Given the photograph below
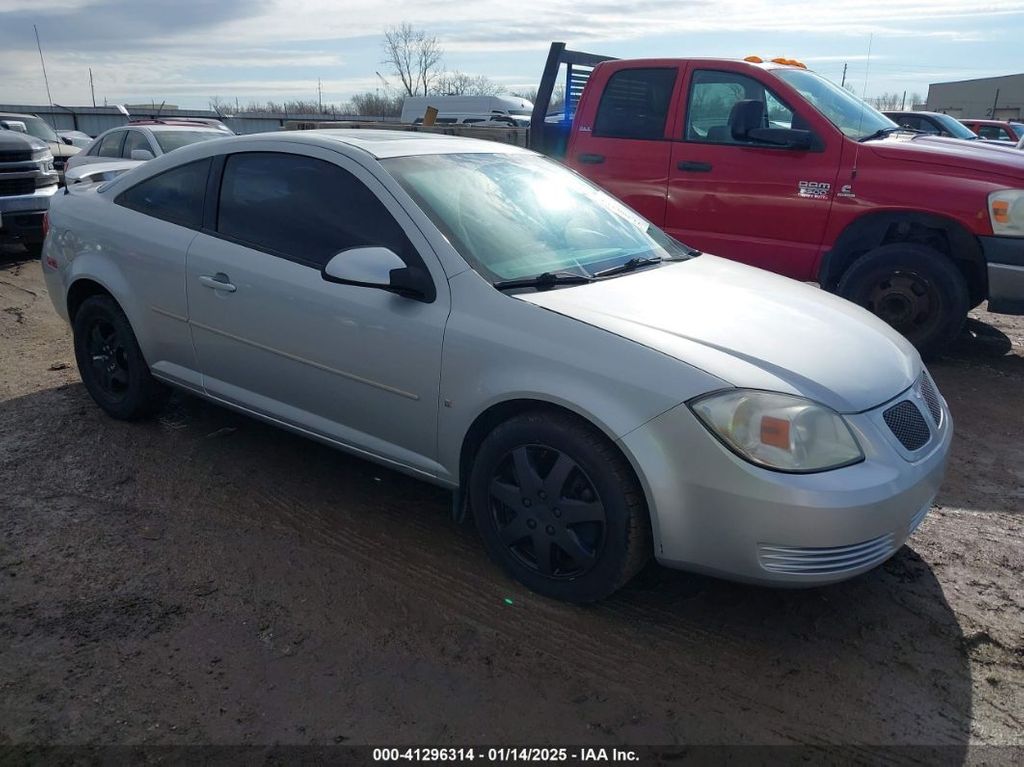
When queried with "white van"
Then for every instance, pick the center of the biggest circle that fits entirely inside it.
(468, 109)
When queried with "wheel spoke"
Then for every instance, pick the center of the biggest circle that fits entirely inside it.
(510, 495)
(581, 556)
(555, 480)
(543, 550)
(120, 377)
(95, 340)
(526, 475)
(575, 512)
(515, 531)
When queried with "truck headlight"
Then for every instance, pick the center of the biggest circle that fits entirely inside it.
(1006, 211)
(779, 431)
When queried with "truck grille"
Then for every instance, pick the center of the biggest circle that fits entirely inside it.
(16, 155)
(931, 398)
(800, 560)
(906, 422)
(12, 186)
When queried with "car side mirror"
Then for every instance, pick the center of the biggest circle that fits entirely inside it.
(142, 154)
(380, 268)
(790, 138)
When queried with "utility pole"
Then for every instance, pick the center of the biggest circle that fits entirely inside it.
(92, 88)
(843, 83)
(320, 94)
(903, 104)
(995, 104)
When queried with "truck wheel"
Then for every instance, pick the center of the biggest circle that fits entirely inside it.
(559, 507)
(914, 288)
(111, 364)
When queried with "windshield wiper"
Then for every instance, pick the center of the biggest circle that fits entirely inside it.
(629, 266)
(545, 280)
(883, 132)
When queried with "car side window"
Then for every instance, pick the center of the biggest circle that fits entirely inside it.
(993, 132)
(176, 195)
(303, 209)
(713, 98)
(134, 140)
(635, 104)
(110, 146)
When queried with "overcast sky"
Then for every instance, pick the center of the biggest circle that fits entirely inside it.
(186, 51)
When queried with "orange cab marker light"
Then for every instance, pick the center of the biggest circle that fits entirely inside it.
(1001, 211)
(754, 59)
(775, 432)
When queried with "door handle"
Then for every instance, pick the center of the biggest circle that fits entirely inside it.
(693, 166)
(218, 281)
(591, 159)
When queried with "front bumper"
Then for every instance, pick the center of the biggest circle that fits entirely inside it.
(21, 216)
(713, 512)
(1005, 259)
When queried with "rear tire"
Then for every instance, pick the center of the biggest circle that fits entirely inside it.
(914, 288)
(559, 507)
(111, 364)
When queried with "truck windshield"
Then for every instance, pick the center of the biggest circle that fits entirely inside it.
(36, 126)
(513, 216)
(855, 118)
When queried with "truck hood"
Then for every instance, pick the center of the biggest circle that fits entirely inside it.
(751, 328)
(977, 156)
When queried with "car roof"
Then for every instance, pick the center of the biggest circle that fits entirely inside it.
(382, 144)
(979, 121)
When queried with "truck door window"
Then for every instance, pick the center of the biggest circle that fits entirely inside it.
(634, 104)
(712, 98)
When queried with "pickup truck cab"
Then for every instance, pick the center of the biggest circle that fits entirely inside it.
(770, 164)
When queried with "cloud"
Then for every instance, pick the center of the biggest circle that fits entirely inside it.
(197, 48)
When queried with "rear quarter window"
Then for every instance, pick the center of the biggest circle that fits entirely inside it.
(635, 103)
(176, 195)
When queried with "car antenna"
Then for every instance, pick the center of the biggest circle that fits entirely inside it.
(863, 104)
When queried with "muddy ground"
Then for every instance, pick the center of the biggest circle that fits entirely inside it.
(204, 578)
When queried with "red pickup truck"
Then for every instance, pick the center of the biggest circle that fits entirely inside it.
(768, 163)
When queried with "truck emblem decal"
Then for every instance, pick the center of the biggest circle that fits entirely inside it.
(815, 190)
(846, 190)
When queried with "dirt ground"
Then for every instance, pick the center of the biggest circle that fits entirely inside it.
(205, 578)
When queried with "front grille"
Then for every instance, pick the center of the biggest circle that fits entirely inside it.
(11, 186)
(799, 560)
(931, 398)
(907, 423)
(15, 155)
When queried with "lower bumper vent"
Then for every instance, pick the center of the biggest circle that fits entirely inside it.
(795, 560)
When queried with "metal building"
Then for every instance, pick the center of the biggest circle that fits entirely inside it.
(999, 98)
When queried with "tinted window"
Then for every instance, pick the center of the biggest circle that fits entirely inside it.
(171, 140)
(712, 98)
(110, 146)
(635, 104)
(993, 132)
(303, 209)
(176, 195)
(135, 140)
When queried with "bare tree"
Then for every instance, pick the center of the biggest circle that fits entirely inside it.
(460, 84)
(414, 56)
(218, 105)
(374, 105)
(557, 97)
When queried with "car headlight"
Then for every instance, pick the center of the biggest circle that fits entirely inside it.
(1006, 211)
(779, 431)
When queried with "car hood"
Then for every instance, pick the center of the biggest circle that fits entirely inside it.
(751, 328)
(60, 149)
(981, 157)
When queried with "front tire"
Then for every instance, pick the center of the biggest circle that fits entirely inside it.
(914, 288)
(559, 507)
(111, 364)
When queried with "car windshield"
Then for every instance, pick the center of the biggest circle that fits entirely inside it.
(1018, 128)
(516, 216)
(171, 140)
(38, 127)
(955, 128)
(855, 118)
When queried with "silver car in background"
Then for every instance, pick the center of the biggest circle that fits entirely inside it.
(475, 315)
(143, 140)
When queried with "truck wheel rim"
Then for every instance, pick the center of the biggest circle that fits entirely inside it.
(547, 511)
(908, 302)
